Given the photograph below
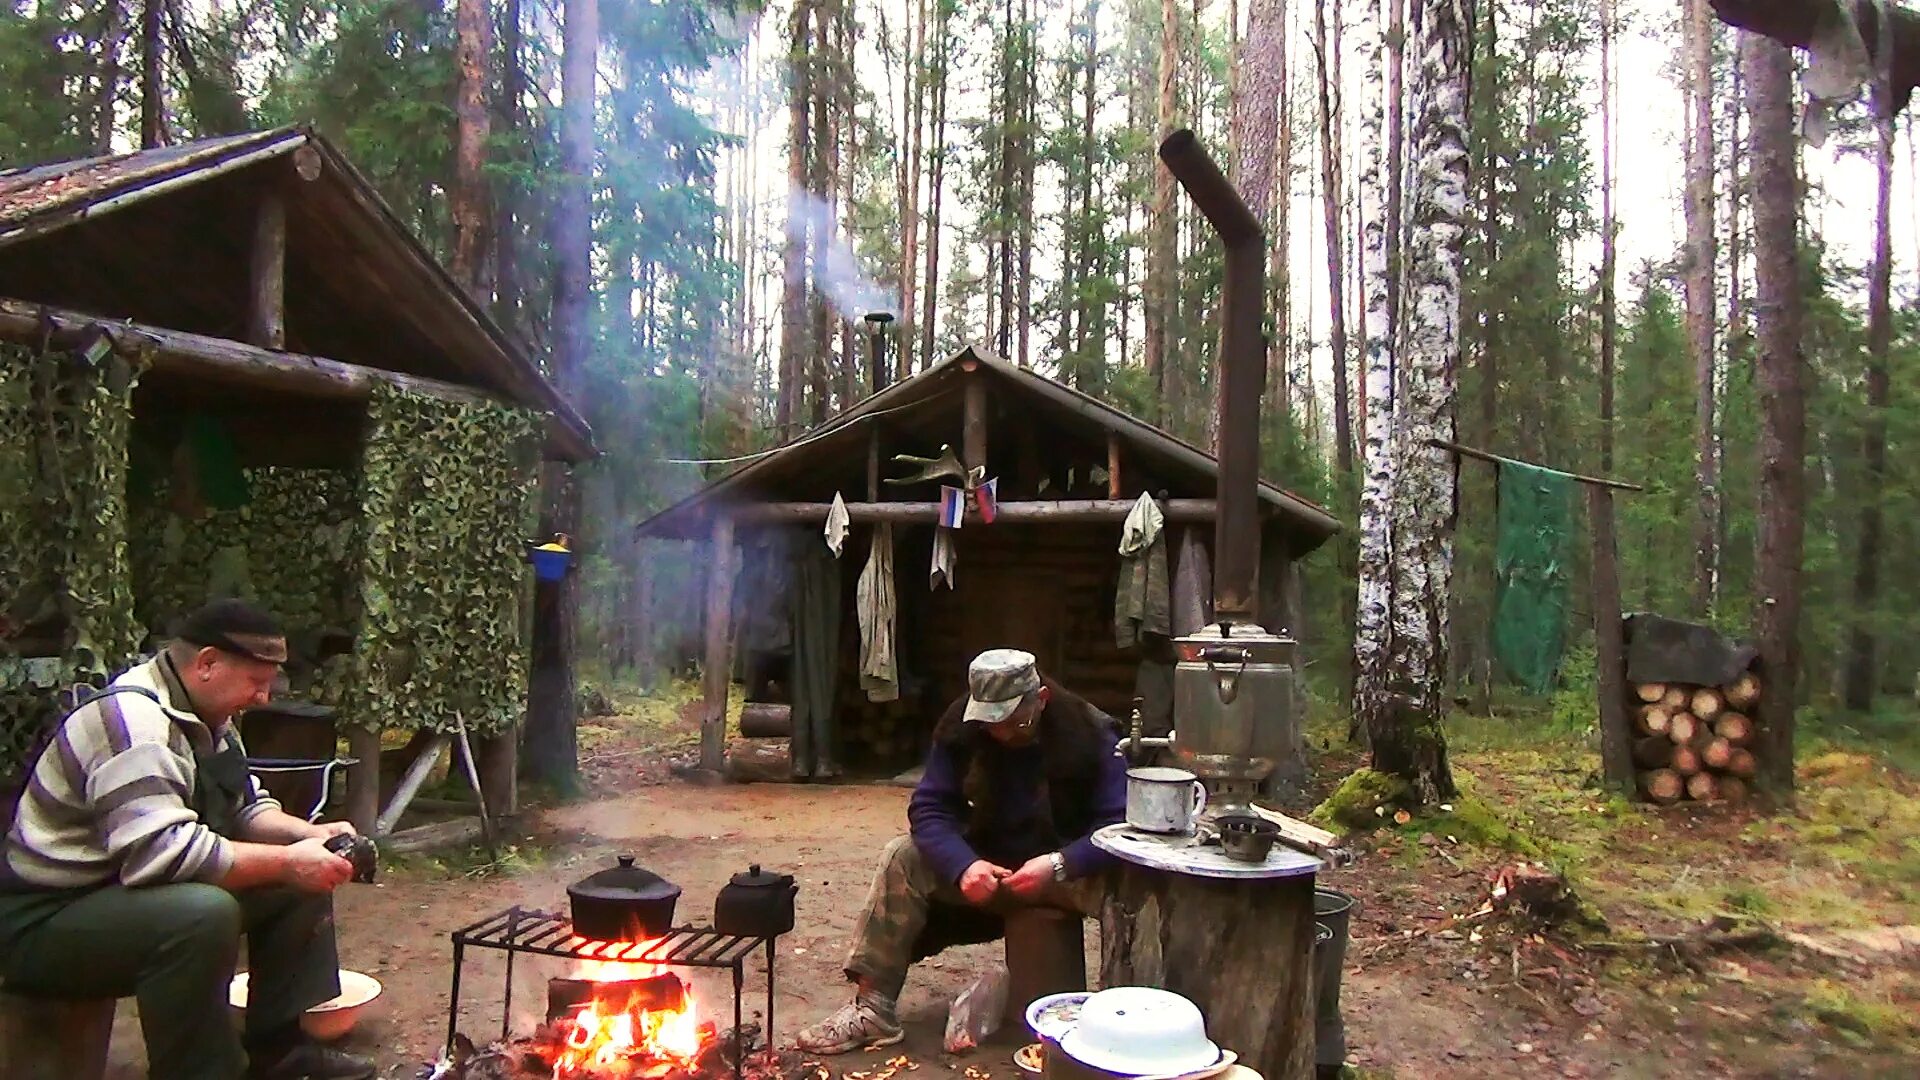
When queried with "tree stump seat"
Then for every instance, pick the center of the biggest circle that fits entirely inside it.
(53, 1039)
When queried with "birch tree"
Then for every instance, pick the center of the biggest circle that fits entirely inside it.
(1407, 509)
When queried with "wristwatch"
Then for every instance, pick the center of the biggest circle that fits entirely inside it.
(1059, 866)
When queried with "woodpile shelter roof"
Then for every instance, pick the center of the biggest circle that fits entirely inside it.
(165, 237)
(926, 410)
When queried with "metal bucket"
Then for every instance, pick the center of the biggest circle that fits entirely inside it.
(1332, 911)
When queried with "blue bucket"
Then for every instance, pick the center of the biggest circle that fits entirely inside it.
(550, 565)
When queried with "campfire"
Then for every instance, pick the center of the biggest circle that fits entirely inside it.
(624, 1021)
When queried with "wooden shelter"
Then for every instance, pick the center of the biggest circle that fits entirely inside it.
(259, 285)
(1042, 576)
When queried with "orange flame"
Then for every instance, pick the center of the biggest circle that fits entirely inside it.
(620, 1035)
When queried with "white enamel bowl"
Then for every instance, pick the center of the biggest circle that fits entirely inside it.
(328, 1020)
(1140, 1031)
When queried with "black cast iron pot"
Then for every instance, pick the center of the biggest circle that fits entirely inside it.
(623, 903)
(756, 904)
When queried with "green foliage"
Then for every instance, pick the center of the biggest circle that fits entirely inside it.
(1364, 800)
(63, 522)
(445, 501)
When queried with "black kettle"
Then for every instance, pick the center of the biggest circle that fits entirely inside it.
(756, 904)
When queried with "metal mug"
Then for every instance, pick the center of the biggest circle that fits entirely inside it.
(1161, 799)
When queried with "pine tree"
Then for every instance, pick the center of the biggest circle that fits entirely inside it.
(1861, 670)
(1701, 295)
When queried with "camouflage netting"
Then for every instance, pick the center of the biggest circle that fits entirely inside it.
(64, 427)
(445, 504)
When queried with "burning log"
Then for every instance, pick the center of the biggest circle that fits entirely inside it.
(1663, 786)
(566, 996)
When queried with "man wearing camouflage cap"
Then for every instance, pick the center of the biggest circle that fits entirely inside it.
(1020, 775)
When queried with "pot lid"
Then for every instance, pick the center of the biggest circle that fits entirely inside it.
(626, 882)
(756, 878)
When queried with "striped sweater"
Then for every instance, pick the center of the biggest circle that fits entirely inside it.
(110, 801)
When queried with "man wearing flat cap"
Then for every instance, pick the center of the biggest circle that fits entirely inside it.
(1020, 775)
(142, 851)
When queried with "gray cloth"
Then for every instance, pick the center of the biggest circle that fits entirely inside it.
(877, 607)
(816, 660)
(1192, 583)
(1142, 603)
(1662, 650)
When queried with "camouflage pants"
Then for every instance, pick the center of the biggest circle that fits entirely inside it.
(903, 893)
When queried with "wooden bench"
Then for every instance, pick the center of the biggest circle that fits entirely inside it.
(44, 1039)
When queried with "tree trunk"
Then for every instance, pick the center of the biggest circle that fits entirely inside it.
(1162, 230)
(468, 204)
(914, 82)
(1701, 295)
(1331, 189)
(825, 191)
(938, 181)
(1609, 316)
(153, 85)
(513, 86)
(1862, 670)
(793, 256)
(113, 36)
(1029, 94)
(1779, 317)
(1407, 518)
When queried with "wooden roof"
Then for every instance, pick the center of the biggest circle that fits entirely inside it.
(163, 237)
(930, 401)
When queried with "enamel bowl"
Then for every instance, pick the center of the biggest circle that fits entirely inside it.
(1140, 1031)
(328, 1020)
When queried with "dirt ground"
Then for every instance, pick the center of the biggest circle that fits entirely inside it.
(1426, 994)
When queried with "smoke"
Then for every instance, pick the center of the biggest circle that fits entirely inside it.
(837, 272)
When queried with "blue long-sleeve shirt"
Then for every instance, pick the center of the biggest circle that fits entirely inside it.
(939, 816)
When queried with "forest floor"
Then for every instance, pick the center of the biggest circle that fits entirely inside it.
(1815, 969)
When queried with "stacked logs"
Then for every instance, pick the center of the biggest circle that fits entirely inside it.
(882, 734)
(1694, 741)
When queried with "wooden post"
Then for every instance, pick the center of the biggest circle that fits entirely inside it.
(873, 463)
(1240, 950)
(363, 779)
(499, 763)
(1113, 465)
(267, 275)
(973, 431)
(410, 784)
(1610, 653)
(719, 661)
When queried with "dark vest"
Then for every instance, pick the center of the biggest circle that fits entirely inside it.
(1072, 744)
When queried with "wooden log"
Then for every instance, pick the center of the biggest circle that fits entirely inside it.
(1113, 465)
(717, 671)
(500, 771)
(1701, 787)
(1650, 692)
(1241, 951)
(1653, 752)
(1717, 753)
(411, 783)
(1675, 698)
(1663, 786)
(1707, 703)
(441, 834)
(760, 761)
(267, 274)
(1734, 727)
(1299, 835)
(1744, 692)
(1741, 763)
(765, 720)
(1654, 719)
(1733, 790)
(1683, 727)
(1685, 760)
(1026, 511)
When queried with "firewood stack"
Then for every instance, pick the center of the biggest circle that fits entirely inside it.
(1695, 742)
(882, 733)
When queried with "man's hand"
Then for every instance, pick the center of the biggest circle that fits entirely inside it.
(327, 830)
(312, 868)
(980, 881)
(1032, 878)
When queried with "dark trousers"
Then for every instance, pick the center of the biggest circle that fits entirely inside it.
(174, 947)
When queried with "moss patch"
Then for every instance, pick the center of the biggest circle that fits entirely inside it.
(1363, 800)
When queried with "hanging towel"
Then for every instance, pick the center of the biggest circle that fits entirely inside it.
(874, 599)
(1141, 601)
(942, 569)
(837, 521)
(1532, 560)
(1192, 584)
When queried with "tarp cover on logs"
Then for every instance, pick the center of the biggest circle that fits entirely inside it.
(1662, 650)
(1531, 560)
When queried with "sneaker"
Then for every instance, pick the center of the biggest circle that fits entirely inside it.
(312, 1061)
(861, 1025)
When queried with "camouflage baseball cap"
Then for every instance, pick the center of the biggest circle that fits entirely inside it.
(996, 682)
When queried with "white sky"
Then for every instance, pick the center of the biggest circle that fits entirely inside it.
(1648, 163)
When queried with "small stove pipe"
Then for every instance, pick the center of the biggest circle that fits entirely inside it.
(1242, 374)
(877, 356)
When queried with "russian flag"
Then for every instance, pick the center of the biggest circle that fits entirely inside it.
(953, 507)
(987, 498)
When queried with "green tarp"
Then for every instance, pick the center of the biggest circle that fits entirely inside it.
(1531, 564)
